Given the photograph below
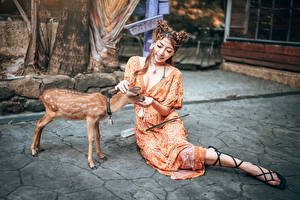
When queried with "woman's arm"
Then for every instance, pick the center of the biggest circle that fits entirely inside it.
(173, 99)
(162, 109)
(123, 86)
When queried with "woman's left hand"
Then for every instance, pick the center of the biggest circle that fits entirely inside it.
(148, 101)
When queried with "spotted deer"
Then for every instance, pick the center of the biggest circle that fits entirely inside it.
(73, 105)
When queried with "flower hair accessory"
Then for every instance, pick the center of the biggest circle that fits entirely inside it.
(151, 46)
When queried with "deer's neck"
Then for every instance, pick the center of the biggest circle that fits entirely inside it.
(117, 102)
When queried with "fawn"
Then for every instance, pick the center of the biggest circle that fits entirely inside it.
(73, 105)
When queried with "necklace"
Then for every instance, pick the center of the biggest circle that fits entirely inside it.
(152, 69)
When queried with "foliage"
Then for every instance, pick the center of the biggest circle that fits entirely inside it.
(191, 15)
(194, 14)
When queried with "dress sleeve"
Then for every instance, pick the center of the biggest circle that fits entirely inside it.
(130, 68)
(175, 95)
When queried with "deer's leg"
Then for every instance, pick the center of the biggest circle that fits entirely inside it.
(38, 131)
(91, 135)
(100, 155)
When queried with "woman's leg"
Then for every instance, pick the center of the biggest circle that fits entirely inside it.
(215, 157)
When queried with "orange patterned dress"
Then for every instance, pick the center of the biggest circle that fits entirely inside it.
(165, 149)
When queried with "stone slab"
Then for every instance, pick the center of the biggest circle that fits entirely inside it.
(291, 79)
(260, 130)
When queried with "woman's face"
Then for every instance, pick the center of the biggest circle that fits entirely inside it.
(162, 50)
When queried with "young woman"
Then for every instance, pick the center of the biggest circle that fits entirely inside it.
(167, 149)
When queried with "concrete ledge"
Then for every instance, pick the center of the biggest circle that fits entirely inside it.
(7, 119)
(291, 79)
(14, 118)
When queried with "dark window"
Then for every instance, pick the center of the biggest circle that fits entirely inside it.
(273, 20)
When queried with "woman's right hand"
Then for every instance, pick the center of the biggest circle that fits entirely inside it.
(123, 86)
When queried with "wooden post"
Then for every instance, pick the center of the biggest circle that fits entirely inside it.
(31, 51)
(32, 32)
(24, 16)
(290, 21)
(272, 19)
(247, 13)
(257, 19)
(151, 11)
(228, 19)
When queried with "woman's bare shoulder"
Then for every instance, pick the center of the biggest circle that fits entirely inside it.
(133, 58)
(176, 70)
(142, 60)
(137, 59)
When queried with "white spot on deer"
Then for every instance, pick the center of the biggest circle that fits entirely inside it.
(66, 113)
(76, 108)
(80, 99)
(61, 104)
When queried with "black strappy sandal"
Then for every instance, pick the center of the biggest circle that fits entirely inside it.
(281, 178)
(219, 154)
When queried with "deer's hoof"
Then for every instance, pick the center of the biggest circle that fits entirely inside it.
(35, 155)
(40, 150)
(100, 155)
(93, 167)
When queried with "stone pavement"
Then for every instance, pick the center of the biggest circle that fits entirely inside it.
(253, 119)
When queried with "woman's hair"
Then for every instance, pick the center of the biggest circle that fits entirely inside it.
(162, 31)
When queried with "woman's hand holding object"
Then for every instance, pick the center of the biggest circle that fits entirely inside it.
(148, 101)
(123, 86)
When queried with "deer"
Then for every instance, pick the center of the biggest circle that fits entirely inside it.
(92, 107)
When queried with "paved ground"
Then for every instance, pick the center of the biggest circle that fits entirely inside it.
(256, 120)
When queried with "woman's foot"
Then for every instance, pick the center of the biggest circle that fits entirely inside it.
(265, 175)
(215, 157)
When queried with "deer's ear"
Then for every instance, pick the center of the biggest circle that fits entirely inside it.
(113, 91)
(135, 89)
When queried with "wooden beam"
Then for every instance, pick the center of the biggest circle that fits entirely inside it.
(270, 57)
(24, 16)
(263, 48)
(280, 57)
(281, 66)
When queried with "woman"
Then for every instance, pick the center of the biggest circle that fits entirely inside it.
(167, 149)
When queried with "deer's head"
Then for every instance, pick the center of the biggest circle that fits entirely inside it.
(133, 94)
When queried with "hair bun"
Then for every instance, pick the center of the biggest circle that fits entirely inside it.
(181, 37)
(162, 29)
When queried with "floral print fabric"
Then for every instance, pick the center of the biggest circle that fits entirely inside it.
(166, 148)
